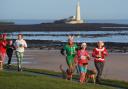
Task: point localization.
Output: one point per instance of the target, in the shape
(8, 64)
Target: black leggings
(99, 66)
(9, 54)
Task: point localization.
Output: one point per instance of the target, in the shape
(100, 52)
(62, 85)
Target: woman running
(81, 60)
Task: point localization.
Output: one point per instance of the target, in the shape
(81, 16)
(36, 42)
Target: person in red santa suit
(99, 53)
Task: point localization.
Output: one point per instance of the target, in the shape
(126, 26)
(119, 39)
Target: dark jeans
(99, 66)
(9, 54)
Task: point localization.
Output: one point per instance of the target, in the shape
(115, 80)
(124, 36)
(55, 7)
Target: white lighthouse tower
(76, 19)
(73, 19)
(78, 16)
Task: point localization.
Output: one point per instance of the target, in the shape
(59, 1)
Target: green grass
(21, 80)
(114, 83)
(106, 82)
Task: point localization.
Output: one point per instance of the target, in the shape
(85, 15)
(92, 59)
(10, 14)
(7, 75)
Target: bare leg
(82, 77)
(94, 78)
(1, 65)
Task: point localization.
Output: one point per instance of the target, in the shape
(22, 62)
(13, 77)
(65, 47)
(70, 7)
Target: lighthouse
(73, 19)
(76, 19)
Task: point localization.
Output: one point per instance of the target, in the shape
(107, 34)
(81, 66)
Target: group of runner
(79, 56)
(75, 56)
(7, 47)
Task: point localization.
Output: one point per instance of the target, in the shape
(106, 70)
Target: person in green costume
(70, 49)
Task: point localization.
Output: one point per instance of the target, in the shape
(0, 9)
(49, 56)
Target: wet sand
(115, 66)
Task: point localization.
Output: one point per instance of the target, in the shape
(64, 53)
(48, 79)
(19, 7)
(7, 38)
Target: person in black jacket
(9, 50)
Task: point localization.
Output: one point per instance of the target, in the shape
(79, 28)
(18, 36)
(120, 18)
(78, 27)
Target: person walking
(20, 45)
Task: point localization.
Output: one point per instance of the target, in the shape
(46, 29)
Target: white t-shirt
(20, 44)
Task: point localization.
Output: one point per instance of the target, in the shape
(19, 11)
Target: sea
(80, 36)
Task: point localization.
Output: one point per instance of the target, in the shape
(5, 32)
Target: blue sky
(57, 9)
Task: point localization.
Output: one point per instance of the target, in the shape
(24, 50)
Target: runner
(3, 43)
(1, 62)
(99, 54)
(81, 59)
(20, 44)
(70, 49)
(9, 49)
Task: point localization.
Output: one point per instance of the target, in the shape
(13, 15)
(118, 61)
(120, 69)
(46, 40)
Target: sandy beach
(115, 66)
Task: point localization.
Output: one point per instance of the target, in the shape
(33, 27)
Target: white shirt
(20, 44)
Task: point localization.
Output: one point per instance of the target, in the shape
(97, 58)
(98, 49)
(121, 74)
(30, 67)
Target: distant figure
(99, 54)
(3, 43)
(20, 44)
(9, 49)
(81, 59)
(70, 49)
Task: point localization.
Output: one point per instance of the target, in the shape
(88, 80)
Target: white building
(76, 19)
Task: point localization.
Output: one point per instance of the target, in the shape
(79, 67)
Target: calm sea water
(80, 36)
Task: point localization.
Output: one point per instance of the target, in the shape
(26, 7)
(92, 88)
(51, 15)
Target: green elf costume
(70, 49)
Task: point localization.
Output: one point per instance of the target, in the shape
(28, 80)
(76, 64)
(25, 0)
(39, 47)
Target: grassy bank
(14, 80)
(41, 78)
(114, 83)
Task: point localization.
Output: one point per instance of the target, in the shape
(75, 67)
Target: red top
(3, 44)
(82, 57)
(99, 54)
